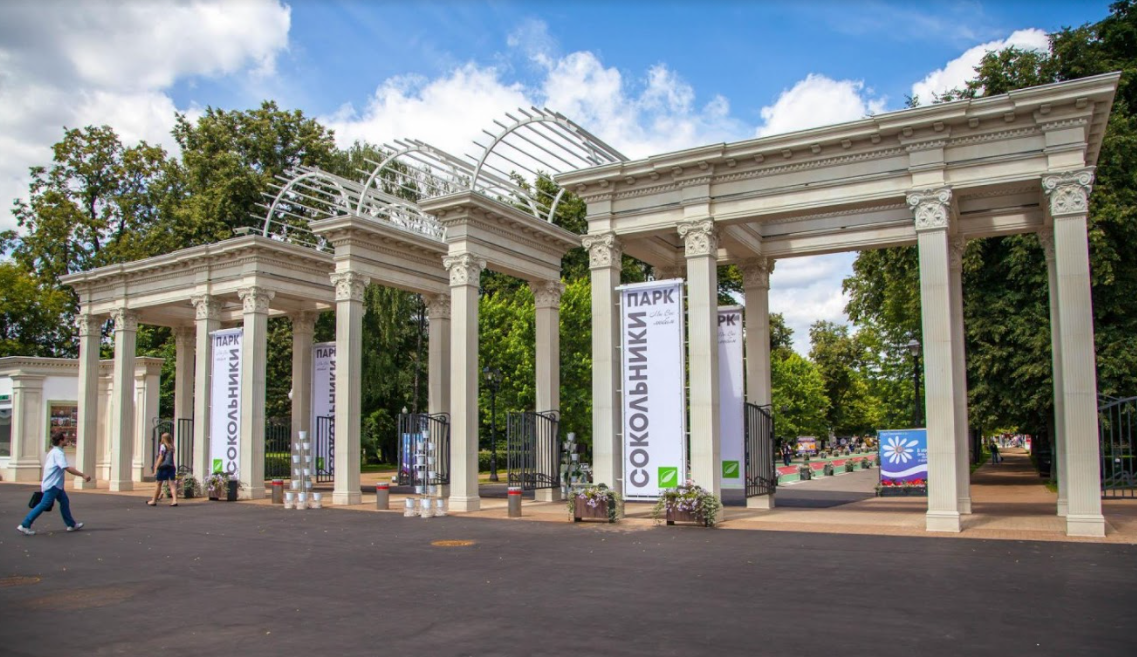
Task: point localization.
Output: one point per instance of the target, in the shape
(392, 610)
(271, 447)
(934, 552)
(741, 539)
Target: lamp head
(914, 347)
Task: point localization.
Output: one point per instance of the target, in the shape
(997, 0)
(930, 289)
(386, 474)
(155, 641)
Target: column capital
(699, 237)
(464, 268)
(1046, 239)
(756, 272)
(255, 299)
(124, 319)
(547, 294)
(184, 336)
(437, 306)
(206, 307)
(350, 285)
(957, 244)
(604, 250)
(1069, 191)
(664, 273)
(303, 323)
(87, 325)
(932, 208)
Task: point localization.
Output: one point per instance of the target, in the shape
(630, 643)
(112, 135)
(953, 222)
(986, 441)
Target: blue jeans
(55, 494)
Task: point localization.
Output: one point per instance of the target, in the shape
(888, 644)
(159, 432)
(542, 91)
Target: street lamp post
(914, 349)
(493, 382)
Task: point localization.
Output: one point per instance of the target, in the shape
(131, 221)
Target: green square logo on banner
(668, 477)
(217, 465)
(730, 469)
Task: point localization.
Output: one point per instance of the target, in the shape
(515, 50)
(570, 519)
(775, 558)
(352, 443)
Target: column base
(547, 495)
(121, 486)
(760, 502)
(942, 521)
(464, 504)
(965, 506)
(347, 498)
(252, 492)
(30, 471)
(1092, 526)
(1063, 508)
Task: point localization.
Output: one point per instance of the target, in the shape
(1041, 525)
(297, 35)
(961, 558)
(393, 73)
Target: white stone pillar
(122, 436)
(1069, 204)
(701, 248)
(142, 427)
(303, 328)
(207, 313)
(547, 304)
(255, 303)
(350, 287)
(956, 246)
(90, 329)
(604, 257)
(438, 365)
(756, 288)
(106, 412)
(465, 277)
(1046, 239)
(932, 209)
(183, 373)
(29, 431)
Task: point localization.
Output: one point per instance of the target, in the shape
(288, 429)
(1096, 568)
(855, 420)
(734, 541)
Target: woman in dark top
(165, 470)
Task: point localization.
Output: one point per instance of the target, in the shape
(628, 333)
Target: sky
(647, 77)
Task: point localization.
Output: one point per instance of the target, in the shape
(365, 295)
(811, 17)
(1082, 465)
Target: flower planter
(583, 511)
(675, 515)
(231, 491)
(903, 491)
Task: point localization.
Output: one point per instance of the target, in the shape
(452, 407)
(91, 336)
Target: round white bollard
(289, 499)
(409, 507)
(317, 500)
(440, 508)
(426, 510)
(302, 501)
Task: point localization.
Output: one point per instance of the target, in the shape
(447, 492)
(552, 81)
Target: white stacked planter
(302, 494)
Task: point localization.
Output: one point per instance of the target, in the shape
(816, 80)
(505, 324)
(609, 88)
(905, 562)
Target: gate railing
(182, 432)
(761, 474)
(533, 449)
(325, 449)
(415, 430)
(278, 449)
(1118, 454)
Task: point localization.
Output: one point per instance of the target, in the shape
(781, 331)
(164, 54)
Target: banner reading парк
(654, 400)
(732, 401)
(324, 403)
(225, 401)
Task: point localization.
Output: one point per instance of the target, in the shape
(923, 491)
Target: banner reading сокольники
(732, 399)
(225, 401)
(324, 403)
(654, 400)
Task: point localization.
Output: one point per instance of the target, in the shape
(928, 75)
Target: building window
(5, 432)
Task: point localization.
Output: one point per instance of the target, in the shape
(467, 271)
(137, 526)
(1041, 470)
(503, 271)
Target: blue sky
(645, 76)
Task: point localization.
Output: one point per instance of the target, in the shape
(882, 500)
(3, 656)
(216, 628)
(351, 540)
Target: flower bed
(687, 503)
(595, 503)
(914, 488)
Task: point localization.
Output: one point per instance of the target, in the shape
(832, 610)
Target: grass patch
(1052, 486)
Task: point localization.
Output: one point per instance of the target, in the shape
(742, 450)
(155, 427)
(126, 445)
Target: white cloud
(816, 101)
(77, 64)
(958, 71)
(806, 290)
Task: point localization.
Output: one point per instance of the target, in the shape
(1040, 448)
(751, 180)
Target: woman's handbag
(37, 497)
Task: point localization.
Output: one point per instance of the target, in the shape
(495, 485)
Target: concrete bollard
(382, 496)
(278, 491)
(514, 501)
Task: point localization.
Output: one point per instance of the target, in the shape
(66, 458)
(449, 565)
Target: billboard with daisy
(904, 456)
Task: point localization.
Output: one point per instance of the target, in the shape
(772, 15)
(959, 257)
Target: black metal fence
(415, 429)
(278, 449)
(533, 449)
(181, 430)
(325, 449)
(1118, 457)
(761, 473)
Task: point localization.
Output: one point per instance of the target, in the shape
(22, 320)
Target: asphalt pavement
(240, 579)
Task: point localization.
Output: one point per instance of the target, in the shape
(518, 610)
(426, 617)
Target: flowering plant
(911, 484)
(218, 483)
(594, 496)
(688, 498)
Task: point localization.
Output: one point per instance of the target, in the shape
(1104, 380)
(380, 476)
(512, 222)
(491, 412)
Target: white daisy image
(899, 451)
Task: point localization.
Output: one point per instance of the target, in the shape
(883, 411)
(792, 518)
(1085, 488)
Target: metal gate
(278, 449)
(1118, 457)
(182, 433)
(325, 449)
(761, 475)
(415, 431)
(533, 449)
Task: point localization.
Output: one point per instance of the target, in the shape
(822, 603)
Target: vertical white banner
(225, 401)
(324, 401)
(732, 402)
(654, 396)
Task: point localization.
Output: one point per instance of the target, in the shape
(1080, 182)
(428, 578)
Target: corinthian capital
(547, 294)
(1046, 239)
(465, 269)
(604, 250)
(756, 272)
(255, 299)
(956, 246)
(1069, 192)
(88, 325)
(303, 323)
(349, 285)
(184, 337)
(438, 306)
(699, 237)
(205, 307)
(124, 319)
(932, 207)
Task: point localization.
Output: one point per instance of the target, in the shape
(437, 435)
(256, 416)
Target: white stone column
(465, 277)
(701, 248)
(29, 431)
(183, 373)
(207, 313)
(350, 287)
(255, 303)
(106, 412)
(303, 328)
(547, 304)
(122, 436)
(1046, 239)
(604, 257)
(90, 329)
(142, 426)
(438, 364)
(756, 288)
(1069, 204)
(956, 246)
(932, 209)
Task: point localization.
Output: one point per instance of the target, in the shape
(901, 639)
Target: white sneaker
(76, 528)
(26, 531)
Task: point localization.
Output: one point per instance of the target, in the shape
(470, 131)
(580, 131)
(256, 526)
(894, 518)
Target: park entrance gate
(325, 449)
(429, 435)
(1118, 457)
(533, 447)
(761, 477)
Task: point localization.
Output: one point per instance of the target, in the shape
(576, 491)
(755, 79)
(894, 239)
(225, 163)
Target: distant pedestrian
(995, 458)
(165, 471)
(787, 453)
(53, 468)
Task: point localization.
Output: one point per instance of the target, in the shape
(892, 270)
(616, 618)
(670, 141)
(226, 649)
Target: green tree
(840, 359)
(800, 404)
(30, 312)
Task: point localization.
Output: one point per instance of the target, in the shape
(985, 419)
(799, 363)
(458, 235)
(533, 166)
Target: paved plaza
(253, 579)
